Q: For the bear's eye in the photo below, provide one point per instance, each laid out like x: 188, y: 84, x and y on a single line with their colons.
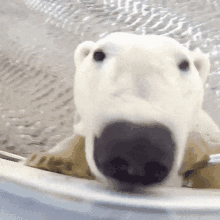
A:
x: 184, y: 65
x: 99, y: 55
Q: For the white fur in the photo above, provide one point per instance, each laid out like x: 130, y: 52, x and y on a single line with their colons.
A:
x: 139, y: 81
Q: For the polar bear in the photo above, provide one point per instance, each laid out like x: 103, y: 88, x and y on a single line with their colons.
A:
x: 139, y: 117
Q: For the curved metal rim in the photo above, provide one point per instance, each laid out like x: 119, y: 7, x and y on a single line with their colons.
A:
x: 72, y: 188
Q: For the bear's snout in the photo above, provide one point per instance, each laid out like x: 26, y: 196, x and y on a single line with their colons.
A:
x: 134, y: 154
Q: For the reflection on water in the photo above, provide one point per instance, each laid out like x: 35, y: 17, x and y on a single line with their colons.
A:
x: 38, y: 38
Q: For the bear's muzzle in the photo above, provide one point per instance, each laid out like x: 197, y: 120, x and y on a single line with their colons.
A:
x: 134, y: 154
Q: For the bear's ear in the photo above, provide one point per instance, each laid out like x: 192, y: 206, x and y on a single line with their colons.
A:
x: 202, y: 64
x: 82, y: 51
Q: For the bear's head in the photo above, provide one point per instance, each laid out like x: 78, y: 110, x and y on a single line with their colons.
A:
x: 136, y: 96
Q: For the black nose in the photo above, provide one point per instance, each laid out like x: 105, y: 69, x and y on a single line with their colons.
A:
x: 134, y: 153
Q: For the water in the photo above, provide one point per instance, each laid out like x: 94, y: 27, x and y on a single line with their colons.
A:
x: 38, y: 39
